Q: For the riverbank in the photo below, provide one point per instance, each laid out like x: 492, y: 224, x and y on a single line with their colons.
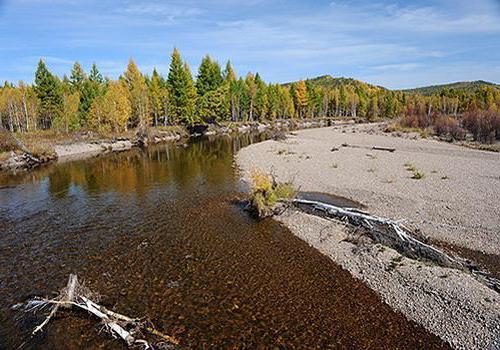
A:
x: 448, y: 192
x: 28, y: 151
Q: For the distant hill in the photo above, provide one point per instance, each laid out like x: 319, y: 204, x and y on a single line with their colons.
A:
x: 468, y: 86
x: 327, y: 81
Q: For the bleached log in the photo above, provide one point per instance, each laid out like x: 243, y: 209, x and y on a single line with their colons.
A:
x: 76, y: 295
x: 393, y: 234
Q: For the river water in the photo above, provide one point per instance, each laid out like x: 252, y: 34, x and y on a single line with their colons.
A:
x: 158, y: 233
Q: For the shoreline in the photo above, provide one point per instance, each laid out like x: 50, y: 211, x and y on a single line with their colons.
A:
x: 449, y: 303
x: 78, y: 149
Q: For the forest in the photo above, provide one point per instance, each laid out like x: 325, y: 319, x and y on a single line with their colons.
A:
x: 91, y: 101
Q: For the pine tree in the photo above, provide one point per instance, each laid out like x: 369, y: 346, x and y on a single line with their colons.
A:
x: 138, y: 94
x: 92, y: 87
x: 95, y: 75
x: 182, y: 93
x: 49, y: 92
x: 209, y: 76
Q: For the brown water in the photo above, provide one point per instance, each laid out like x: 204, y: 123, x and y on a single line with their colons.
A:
x: 156, y: 233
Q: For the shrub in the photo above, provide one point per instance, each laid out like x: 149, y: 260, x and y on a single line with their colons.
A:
x: 484, y: 125
x: 267, y: 193
x: 448, y: 126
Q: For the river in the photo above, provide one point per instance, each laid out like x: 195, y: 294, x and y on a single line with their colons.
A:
x: 159, y: 233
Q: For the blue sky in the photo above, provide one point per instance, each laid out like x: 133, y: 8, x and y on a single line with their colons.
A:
x: 396, y: 44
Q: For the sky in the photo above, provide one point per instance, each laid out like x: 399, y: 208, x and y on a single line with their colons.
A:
x: 396, y: 44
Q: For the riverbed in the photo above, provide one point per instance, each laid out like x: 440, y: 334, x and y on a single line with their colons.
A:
x: 160, y: 233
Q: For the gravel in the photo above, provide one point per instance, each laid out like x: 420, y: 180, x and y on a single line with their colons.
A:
x: 457, y: 201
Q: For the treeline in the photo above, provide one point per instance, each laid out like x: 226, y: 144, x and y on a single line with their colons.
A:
x: 83, y: 100
x: 455, y: 113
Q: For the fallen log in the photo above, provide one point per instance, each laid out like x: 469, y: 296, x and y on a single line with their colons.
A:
x: 375, y: 148
x: 131, y: 330
x: 394, y: 234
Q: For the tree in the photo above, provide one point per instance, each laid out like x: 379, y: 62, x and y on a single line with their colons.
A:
x: 158, y: 98
x: 300, y: 98
x: 209, y: 76
x: 138, y: 95
x: 111, y: 111
x: 182, y: 92
x: 229, y: 74
x: 251, y: 87
x: 95, y: 75
x: 214, y: 105
x: 48, y: 90
x: 261, y: 98
x: 77, y: 77
x: 68, y: 119
x: 92, y: 87
x: 373, y: 110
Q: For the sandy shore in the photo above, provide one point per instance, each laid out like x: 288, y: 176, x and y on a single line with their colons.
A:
x: 457, y: 202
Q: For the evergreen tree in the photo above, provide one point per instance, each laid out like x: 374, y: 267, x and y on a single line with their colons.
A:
x: 209, y: 76
x: 49, y: 92
x: 182, y: 93
x: 214, y: 105
x: 92, y: 87
x: 95, y: 75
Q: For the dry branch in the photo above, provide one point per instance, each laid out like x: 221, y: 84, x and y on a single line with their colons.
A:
x: 131, y: 330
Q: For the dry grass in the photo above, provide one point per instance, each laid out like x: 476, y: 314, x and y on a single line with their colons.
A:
x: 267, y: 193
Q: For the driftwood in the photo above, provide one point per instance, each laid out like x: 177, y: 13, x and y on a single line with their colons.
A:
x: 395, y: 235
x: 132, y: 330
x: 375, y: 148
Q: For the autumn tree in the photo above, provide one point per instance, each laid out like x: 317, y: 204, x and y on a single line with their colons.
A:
x: 158, y: 98
x: 300, y: 98
x: 111, y: 111
x: 68, y: 119
x: 138, y: 95
x: 77, y: 77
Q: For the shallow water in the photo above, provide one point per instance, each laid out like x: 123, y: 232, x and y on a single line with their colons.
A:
x: 157, y: 233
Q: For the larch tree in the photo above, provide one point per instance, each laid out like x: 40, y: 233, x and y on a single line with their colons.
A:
x: 251, y: 87
x: 138, y: 94
x: 77, y: 77
x: 158, y: 98
x: 68, y: 119
x: 301, y: 98
x: 111, y: 111
x: 209, y: 76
